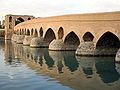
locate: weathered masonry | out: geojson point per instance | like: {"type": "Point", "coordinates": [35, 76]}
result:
{"type": "Point", "coordinates": [11, 21]}
{"type": "Point", "coordinates": [88, 34]}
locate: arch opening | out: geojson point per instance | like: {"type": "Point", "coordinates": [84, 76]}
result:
{"type": "Point", "coordinates": [41, 32]}
{"type": "Point", "coordinates": [28, 32]}
{"type": "Point", "coordinates": [88, 37]}
{"type": "Point", "coordinates": [72, 39]}
{"type": "Point", "coordinates": [60, 33]}
{"type": "Point", "coordinates": [35, 33]}
{"type": "Point", "coordinates": [32, 32]}
{"type": "Point", "coordinates": [108, 40]}
{"type": "Point", "coordinates": [10, 19]}
{"type": "Point", "coordinates": [108, 44]}
{"type": "Point", "coordinates": [29, 18]}
{"type": "Point", "coordinates": [18, 20]}
{"type": "Point", "coordinates": [49, 36]}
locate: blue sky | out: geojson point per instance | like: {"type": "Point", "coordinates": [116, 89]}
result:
{"type": "Point", "coordinates": [44, 8]}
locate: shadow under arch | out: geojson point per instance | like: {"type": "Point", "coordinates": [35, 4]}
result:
{"type": "Point", "coordinates": [108, 44]}
{"type": "Point", "coordinates": [41, 32]}
{"type": "Point", "coordinates": [71, 41]}
{"type": "Point", "coordinates": [35, 33]}
{"type": "Point", "coordinates": [32, 31]}
{"type": "Point", "coordinates": [28, 32]}
{"type": "Point", "coordinates": [60, 33]}
{"type": "Point", "coordinates": [88, 36]}
{"type": "Point", "coordinates": [18, 20]}
{"type": "Point", "coordinates": [49, 36]}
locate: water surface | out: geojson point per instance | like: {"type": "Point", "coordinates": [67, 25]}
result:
{"type": "Point", "coordinates": [25, 68]}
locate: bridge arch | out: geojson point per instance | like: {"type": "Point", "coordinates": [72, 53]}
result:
{"type": "Point", "coordinates": [10, 19]}
{"type": "Point", "coordinates": [29, 18]}
{"type": "Point", "coordinates": [72, 39]}
{"type": "Point", "coordinates": [28, 32]}
{"type": "Point", "coordinates": [49, 35]}
{"type": "Point", "coordinates": [88, 36]}
{"type": "Point", "coordinates": [41, 32]}
{"type": "Point", "coordinates": [18, 20]}
{"type": "Point", "coordinates": [32, 30]}
{"type": "Point", "coordinates": [108, 40]}
{"type": "Point", "coordinates": [60, 33]}
{"type": "Point", "coordinates": [35, 33]}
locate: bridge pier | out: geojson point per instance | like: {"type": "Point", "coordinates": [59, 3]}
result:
{"type": "Point", "coordinates": [13, 38]}
{"type": "Point", "coordinates": [19, 39]}
{"type": "Point", "coordinates": [86, 48]}
{"type": "Point", "coordinates": [27, 40]}
{"type": "Point", "coordinates": [57, 44]}
{"type": "Point", "coordinates": [38, 42]}
{"type": "Point", "coordinates": [117, 58]}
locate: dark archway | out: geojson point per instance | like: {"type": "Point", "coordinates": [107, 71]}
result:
{"type": "Point", "coordinates": [10, 19]}
{"type": "Point", "coordinates": [49, 36]}
{"type": "Point", "coordinates": [36, 33]}
{"type": "Point", "coordinates": [108, 40]}
{"type": "Point", "coordinates": [28, 32]}
{"type": "Point", "coordinates": [18, 20]}
{"type": "Point", "coordinates": [32, 32]}
{"type": "Point", "coordinates": [41, 32]}
{"type": "Point", "coordinates": [72, 39]}
{"type": "Point", "coordinates": [60, 33]}
{"type": "Point", "coordinates": [29, 18]}
{"type": "Point", "coordinates": [88, 37]}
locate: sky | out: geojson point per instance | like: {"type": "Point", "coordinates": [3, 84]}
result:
{"type": "Point", "coordinates": [45, 8]}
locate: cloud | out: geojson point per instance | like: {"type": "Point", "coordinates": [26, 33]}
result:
{"type": "Point", "coordinates": [42, 8]}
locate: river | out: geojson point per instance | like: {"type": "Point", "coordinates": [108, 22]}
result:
{"type": "Point", "coordinates": [25, 68]}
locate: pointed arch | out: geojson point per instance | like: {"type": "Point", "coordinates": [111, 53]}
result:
{"type": "Point", "coordinates": [88, 36]}
{"type": "Point", "coordinates": [10, 19]}
{"type": "Point", "coordinates": [49, 35]}
{"type": "Point", "coordinates": [108, 40]}
{"type": "Point", "coordinates": [32, 32]}
{"type": "Point", "coordinates": [72, 39]}
{"type": "Point", "coordinates": [35, 33]}
{"type": "Point", "coordinates": [28, 32]}
{"type": "Point", "coordinates": [18, 20]}
{"type": "Point", "coordinates": [60, 33]}
{"type": "Point", "coordinates": [41, 32]}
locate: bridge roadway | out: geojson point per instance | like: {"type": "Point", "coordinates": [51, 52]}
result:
{"type": "Point", "coordinates": [88, 34]}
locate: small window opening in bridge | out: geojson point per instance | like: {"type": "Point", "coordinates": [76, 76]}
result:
{"type": "Point", "coordinates": [32, 32]}
{"type": "Point", "coordinates": [35, 33]}
{"type": "Point", "coordinates": [10, 26]}
{"type": "Point", "coordinates": [88, 37]}
{"type": "Point", "coordinates": [72, 39]}
{"type": "Point", "coordinates": [108, 40]}
{"type": "Point", "coordinates": [18, 20]}
{"type": "Point", "coordinates": [49, 36]}
{"type": "Point", "coordinates": [41, 32]}
{"type": "Point", "coordinates": [10, 19]}
{"type": "Point", "coordinates": [28, 32]}
{"type": "Point", "coordinates": [60, 33]}
{"type": "Point", "coordinates": [29, 18]}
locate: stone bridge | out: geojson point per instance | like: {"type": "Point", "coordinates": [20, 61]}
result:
{"type": "Point", "coordinates": [88, 34]}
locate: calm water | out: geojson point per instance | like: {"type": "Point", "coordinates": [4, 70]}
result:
{"type": "Point", "coordinates": [25, 68]}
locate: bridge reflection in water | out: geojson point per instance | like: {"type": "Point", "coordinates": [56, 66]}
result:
{"type": "Point", "coordinates": [81, 73]}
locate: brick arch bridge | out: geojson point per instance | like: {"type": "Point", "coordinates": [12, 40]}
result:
{"type": "Point", "coordinates": [88, 34]}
